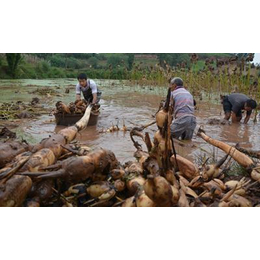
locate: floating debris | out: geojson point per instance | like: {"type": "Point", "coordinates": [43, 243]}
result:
{"type": "Point", "coordinates": [45, 91]}
{"type": "Point", "coordinates": [12, 110]}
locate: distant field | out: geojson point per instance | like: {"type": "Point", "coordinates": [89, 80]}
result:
{"type": "Point", "coordinates": [146, 62]}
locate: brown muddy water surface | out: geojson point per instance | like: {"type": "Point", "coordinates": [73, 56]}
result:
{"type": "Point", "coordinates": [120, 101]}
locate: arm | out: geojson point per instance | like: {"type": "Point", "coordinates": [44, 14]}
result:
{"type": "Point", "coordinates": [94, 98]}
{"type": "Point", "coordinates": [78, 97]}
{"type": "Point", "coordinates": [93, 87]}
{"type": "Point", "coordinates": [172, 103]}
{"type": "Point", "coordinates": [236, 114]}
{"type": "Point", "coordinates": [78, 92]}
{"type": "Point", "coordinates": [246, 119]}
{"type": "Point", "coordinates": [227, 115]}
{"type": "Point", "coordinates": [234, 117]}
{"type": "Point", "coordinates": [248, 114]}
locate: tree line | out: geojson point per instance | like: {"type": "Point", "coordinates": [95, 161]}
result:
{"type": "Point", "coordinates": [57, 65]}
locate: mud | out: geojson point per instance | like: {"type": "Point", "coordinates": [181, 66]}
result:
{"type": "Point", "coordinates": [120, 102]}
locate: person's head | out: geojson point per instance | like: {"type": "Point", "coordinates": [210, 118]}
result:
{"type": "Point", "coordinates": [176, 82]}
{"type": "Point", "coordinates": [82, 78]}
{"type": "Point", "coordinates": [250, 105]}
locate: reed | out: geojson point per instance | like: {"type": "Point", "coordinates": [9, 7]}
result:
{"type": "Point", "coordinates": [222, 76]}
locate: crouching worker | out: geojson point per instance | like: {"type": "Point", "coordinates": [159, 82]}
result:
{"type": "Point", "coordinates": [88, 88]}
{"type": "Point", "coordinates": [184, 120]}
{"type": "Point", "coordinates": [234, 104]}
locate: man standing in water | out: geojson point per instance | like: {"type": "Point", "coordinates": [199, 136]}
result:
{"type": "Point", "coordinates": [184, 120]}
{"type": "Point", "coordinates": [234, 104]}
{"type": "Point", "coordinates": [88, 88]}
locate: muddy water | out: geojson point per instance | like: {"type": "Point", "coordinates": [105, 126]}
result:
{"type": "Point", "coordinates": [133, 104]}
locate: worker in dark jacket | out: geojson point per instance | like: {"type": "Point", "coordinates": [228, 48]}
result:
{"type": "Point", "coordinates": [234, 105]}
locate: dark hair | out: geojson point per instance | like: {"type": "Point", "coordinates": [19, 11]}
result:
{"type": "Point", "coordinates": [82, 76]}
{"type": "Point", "coordinates": [177, 81]}
{"type": "Point", "coordinates": [251, 103]}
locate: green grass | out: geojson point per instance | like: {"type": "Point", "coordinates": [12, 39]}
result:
{"type": "Point", "coordinates": [199, 65]}
{"type": "Point", "coordinates": [237, 170]}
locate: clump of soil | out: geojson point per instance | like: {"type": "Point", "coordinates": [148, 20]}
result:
{"type": "Point", "coordinates": [35, 101]}
{"type": "Point", "coordinates": [24, 114]}
{"type": "Point", "coordinates": [217, 121]}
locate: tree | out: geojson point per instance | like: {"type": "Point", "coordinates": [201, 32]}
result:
{"type": "Point", "coordinates": [173, 58]}
{"type": "Point", "coordinates": [93, 61]}
{"type": "Point", "coordinates": [131, 58]}
{"type": "Point", "coordinates": [13, 60]}
{"type": "Point", "coordinates": [164, 57]}
{"type": "Point", "coordinates": [58, 61]}
{"type": "Point", "coordinates": [240, 55]}
{"type": "Point", "coordinates": [42, 55]}
{"type": "Point", "coordinates": [117, 59]}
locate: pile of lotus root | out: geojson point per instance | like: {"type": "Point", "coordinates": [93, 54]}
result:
{"type": "Point", "coordinates": [58, 172]}
{"type": "Point", "coordinates": [77, 107]}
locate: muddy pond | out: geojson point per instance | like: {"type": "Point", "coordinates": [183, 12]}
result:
{"type": "Point", "coordinates": [120, 101]}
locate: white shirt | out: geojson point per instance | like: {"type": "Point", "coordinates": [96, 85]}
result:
{"type": "Point", "coordinates": [90, 84]}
